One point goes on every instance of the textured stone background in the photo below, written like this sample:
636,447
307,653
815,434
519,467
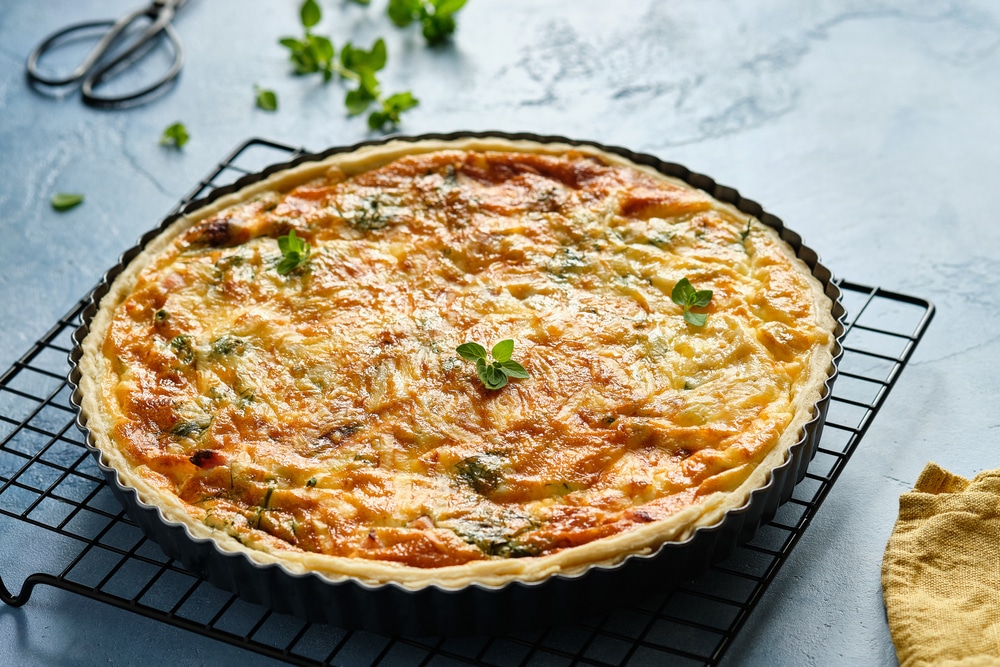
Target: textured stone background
870,127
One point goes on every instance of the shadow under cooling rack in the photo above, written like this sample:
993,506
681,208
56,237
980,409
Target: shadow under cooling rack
50,487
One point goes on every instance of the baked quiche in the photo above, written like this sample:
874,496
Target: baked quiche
302,371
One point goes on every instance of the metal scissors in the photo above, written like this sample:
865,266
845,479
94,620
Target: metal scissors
102,63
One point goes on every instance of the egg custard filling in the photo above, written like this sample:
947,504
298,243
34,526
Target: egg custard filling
279,371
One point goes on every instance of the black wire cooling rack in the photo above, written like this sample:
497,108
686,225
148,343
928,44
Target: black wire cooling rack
50,483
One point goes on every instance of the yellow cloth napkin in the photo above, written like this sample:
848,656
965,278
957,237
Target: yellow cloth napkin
941,571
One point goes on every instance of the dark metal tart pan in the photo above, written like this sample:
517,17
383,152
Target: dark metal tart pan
475,609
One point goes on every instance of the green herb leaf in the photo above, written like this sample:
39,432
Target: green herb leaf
64,201
493,375
695,319
295,253
503,350
702,298
358,100
368,82
447,6
471,351
513,369
358,60
392,106
266,99
436,29
684,294
437,17
175,135
377,120
400,102
311,54
438,25
323,48
401,12
310,13
362,65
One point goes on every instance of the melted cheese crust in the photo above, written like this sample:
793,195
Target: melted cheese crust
323,419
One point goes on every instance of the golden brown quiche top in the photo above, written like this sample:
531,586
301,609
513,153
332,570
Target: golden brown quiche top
319,415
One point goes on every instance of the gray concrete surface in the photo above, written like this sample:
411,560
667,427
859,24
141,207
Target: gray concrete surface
871,127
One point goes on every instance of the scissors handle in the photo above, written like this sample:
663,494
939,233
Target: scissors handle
106,72
56,38
93,70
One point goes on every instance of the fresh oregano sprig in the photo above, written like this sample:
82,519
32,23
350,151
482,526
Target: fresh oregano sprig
437,17
294,253
316,53
361,66
313,53
493,375
684,294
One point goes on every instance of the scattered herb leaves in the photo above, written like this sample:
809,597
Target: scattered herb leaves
294,253
266,99
64,201
493,375
175,136
684,294
746,232
315,53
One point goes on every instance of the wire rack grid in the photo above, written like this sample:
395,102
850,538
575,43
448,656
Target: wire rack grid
50,483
